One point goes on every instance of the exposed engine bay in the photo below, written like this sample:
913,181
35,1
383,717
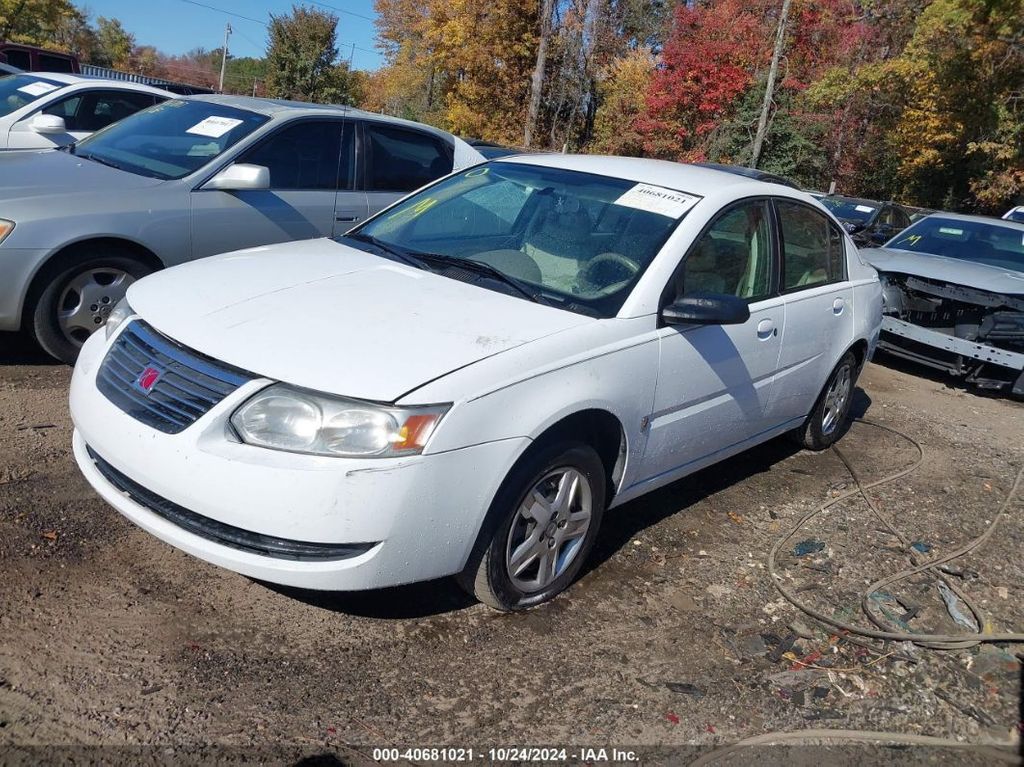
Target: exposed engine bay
965,331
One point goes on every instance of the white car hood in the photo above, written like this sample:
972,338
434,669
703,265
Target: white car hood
953,270
328,317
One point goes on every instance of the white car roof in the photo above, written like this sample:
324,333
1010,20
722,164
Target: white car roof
67,79
694,179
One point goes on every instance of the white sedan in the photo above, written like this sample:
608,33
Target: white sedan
43,110
466,382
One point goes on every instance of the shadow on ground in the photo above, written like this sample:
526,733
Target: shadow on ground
16,349
620,526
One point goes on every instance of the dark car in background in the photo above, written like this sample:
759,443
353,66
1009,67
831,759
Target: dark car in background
754,173
29,58
869,222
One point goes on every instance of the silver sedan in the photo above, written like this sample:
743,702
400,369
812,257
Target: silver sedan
190,178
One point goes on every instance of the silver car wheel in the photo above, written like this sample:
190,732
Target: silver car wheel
548,530
835,399
87,300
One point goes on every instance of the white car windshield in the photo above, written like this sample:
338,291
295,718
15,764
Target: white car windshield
993,243
575,240
18,90
170,140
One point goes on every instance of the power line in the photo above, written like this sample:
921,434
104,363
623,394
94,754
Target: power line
266,25
342,10
229,13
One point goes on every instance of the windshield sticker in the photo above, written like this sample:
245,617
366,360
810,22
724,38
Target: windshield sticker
657,199
418,209
37,88
864,209
214,127
950,230
912,239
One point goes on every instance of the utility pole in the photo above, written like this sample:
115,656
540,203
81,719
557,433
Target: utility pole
769,91
224,58
254,87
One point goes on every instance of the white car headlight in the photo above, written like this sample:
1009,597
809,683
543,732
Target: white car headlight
284,418
121,311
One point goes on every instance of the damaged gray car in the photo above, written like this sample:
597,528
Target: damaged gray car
953,293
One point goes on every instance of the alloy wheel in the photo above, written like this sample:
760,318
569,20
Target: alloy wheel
836,397
549,528
87,300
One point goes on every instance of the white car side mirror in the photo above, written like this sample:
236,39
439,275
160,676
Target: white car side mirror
43,123
239,177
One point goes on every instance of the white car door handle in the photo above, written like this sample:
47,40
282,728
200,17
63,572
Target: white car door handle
766,329
838,305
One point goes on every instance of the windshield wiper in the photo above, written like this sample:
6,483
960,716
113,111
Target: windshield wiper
483,268
101,161
388,250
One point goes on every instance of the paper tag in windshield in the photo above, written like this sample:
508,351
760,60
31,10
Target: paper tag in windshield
864,209
214,127
37,88
950,230
657,199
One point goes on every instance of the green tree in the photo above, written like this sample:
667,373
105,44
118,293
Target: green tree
302,58
114,44
35,22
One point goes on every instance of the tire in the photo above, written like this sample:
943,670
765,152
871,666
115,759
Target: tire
512,523
826,423
75,297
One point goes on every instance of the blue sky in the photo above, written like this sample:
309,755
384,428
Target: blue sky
177,26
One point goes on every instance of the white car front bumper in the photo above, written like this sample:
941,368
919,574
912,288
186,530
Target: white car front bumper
412,518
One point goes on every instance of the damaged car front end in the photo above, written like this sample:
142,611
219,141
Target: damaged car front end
954,298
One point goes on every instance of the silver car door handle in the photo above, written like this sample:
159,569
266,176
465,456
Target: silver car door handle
346,219
838,306
766,329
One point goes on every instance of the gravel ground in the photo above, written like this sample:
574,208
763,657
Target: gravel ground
674,636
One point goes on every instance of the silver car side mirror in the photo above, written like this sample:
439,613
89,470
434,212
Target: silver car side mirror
43,123
239,177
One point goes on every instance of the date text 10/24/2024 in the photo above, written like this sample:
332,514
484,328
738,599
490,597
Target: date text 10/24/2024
504,754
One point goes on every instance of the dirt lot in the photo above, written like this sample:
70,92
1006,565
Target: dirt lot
110,637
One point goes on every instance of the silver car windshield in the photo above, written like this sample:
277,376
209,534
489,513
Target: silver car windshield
575,240
170,140
993,243
18,90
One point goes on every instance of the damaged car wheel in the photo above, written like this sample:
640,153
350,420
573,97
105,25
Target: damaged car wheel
543,521
826,423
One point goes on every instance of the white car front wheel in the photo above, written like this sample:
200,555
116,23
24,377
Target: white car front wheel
540,528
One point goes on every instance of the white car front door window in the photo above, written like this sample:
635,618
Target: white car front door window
714,381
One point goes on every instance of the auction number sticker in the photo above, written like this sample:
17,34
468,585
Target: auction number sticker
658,199
214,127
864,209
37,88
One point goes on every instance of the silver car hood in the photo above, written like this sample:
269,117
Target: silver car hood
953,270
43,174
